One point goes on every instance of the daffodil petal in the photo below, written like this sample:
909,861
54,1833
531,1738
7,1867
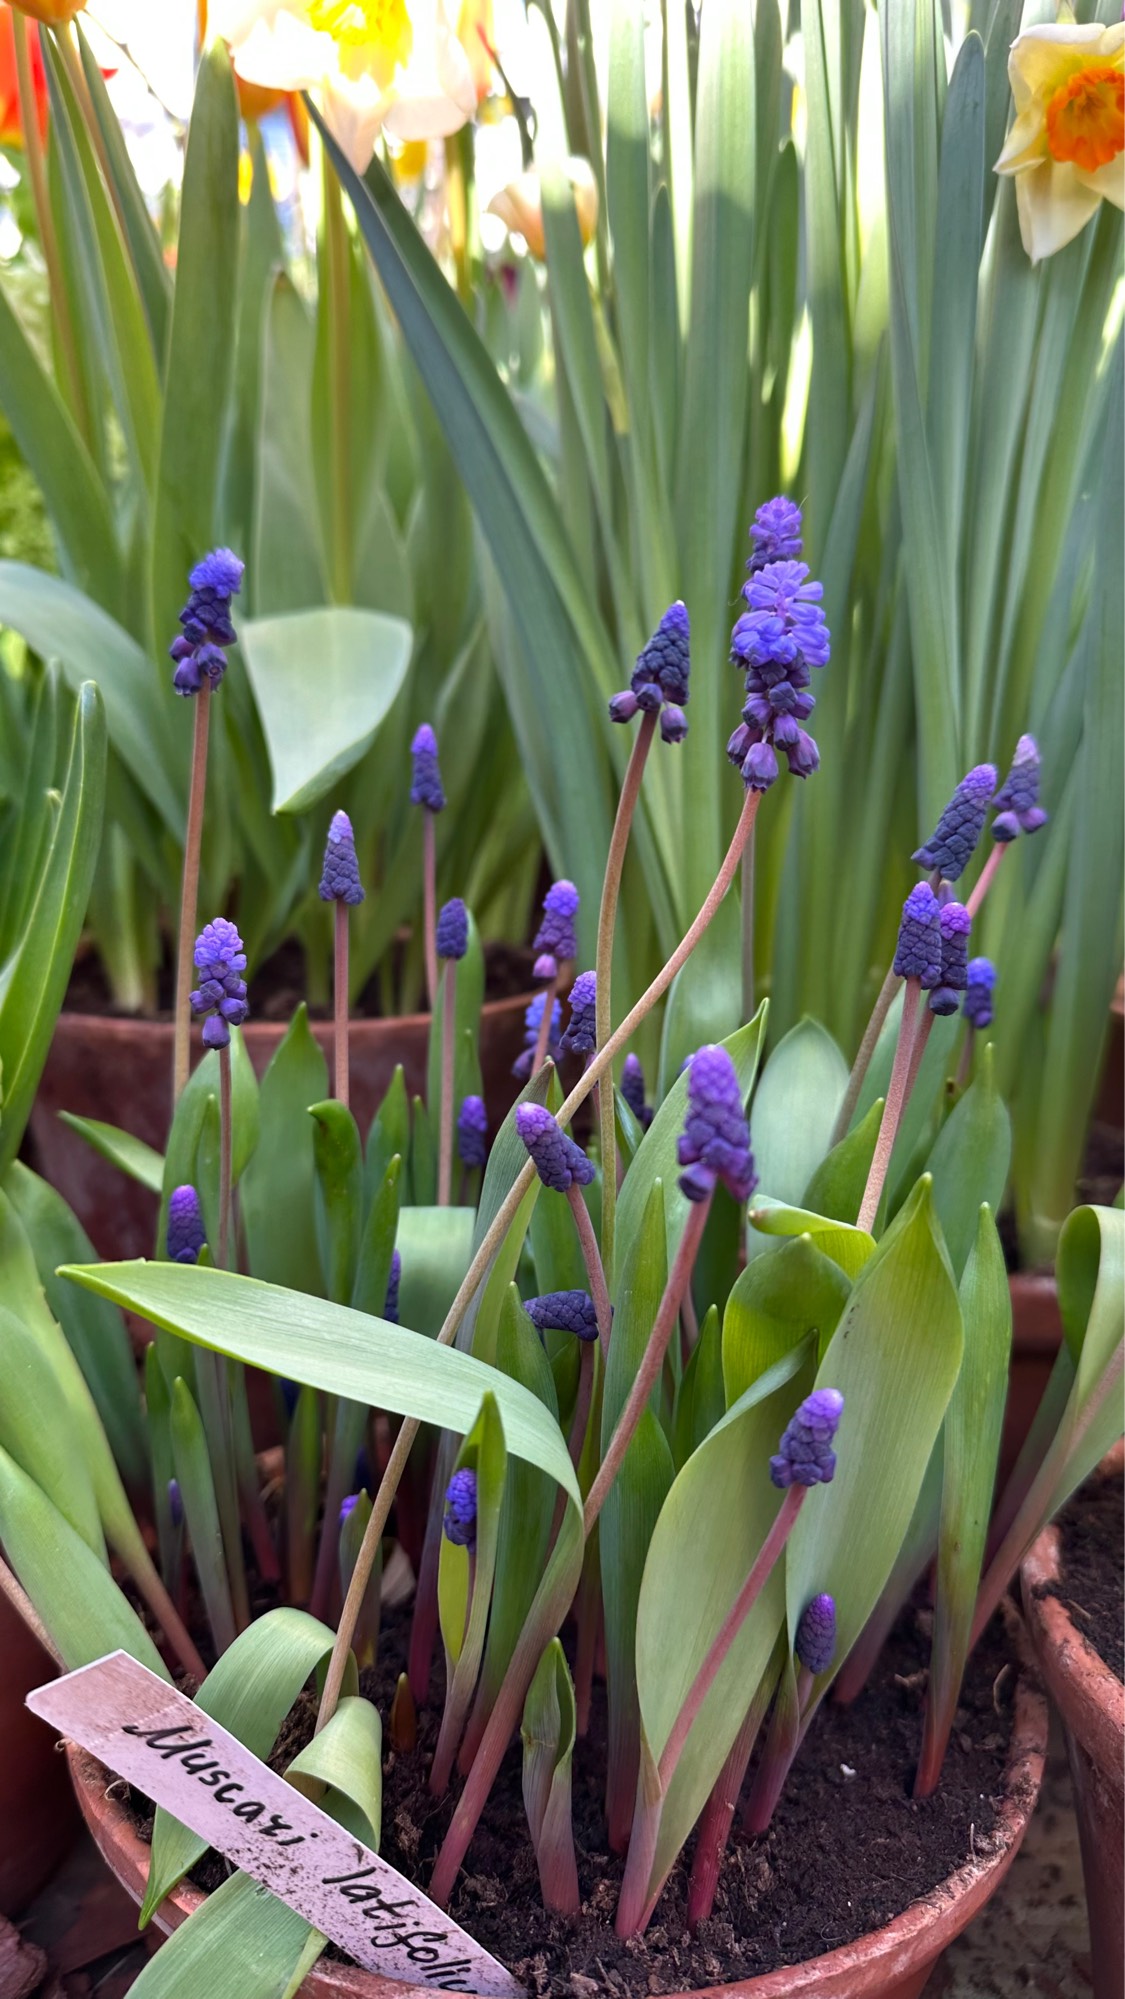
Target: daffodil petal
354,113
433,97
1107,182
282,53
1053,205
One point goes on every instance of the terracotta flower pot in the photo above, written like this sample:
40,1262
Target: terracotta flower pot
1036,1339
891,1963
119,1070
38,1821
1091,1703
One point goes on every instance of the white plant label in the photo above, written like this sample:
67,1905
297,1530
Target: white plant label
150,1733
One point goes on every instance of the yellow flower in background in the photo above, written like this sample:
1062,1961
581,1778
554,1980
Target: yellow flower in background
376,65
1066,147
51,11
520,205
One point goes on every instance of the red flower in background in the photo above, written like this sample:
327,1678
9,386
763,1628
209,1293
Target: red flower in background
11,124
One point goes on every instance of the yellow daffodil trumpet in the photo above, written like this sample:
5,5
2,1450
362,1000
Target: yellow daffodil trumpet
1066,146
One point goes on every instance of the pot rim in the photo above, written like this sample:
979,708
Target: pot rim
116,1025
1086,1691
910,1941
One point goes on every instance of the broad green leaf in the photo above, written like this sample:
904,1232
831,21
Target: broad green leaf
130,1155
464,1610
700,1399
548,1732
848,1246
895,1358
38,1430
377,1244
969,1163
241,1943
338,1158
277,1185
144,244
795,1108
289,569
318,724
192,1458
837,1187
345,1760
777,1301
436,1247
389,1133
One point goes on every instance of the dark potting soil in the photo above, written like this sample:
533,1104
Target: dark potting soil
849,1848
1092,1579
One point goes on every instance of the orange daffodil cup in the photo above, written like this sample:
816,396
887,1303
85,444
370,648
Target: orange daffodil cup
1066,147
52,12
375,65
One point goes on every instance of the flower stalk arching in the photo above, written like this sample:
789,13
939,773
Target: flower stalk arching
451,941
603,966
341,886
189,892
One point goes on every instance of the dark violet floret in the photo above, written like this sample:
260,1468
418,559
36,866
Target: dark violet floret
186,1235
390,1303
339,881
452,929
221,572
950,846
815,1643
980,979
459,1524
555,939
564,1312
918,952
955,924
532,1022
775,533
1018,796
805,1455
660,677
426,786
472,1132
220,998
558,1161
175,1503
633,1091
348,1506
581,1031
715,1141
199,650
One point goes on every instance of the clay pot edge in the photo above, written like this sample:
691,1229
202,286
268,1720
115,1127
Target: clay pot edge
1086,1691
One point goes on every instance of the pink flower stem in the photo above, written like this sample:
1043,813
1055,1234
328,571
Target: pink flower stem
987,876
542,1041
429,904
592,1258
897,1095
189,893
603,964
782,1744
448,1033
340,997
862,1063
226,1155
718,1813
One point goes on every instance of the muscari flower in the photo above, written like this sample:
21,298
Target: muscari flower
581,1031
348,1506
659,683
200,649
633,1091
220,998
954,923
777,640
1018,796
1066,146
452,929
805,1455
339,881
185,1234
918,951
775,534
175,1502
950,846
459,1523
980,978
472,1132
555,940
559,1162
426,786
390,1303
532,1022
715,1141
564,1312
815,1643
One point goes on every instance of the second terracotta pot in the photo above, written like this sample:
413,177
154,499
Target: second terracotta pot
119,1070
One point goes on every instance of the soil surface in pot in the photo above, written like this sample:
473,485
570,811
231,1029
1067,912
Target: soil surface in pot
1092,1567
849,1849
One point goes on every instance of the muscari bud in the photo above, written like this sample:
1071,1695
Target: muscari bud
715,1142
918,951
339,881
472,1132
459,1523
186,1235
1018,796
950,846
220,998
390,1303
555,936
564,1312
559,1162
426,786
452,929
980,979
815,1643
633,1091
955,924
581,1031
775,533
805,1455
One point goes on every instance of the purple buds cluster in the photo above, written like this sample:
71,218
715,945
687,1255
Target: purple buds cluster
950,846
185,1234
955,923
348,1506
532,1022
715,1142
394,1280
564,1312
472,1132
815,1642
980,979
220,998
581,1029
175,1503
459,1523
918,951
633,1091
805,1455
659,685
559,1162
339,880
200,649
1018,796
555,940
426,786
780,636
452,929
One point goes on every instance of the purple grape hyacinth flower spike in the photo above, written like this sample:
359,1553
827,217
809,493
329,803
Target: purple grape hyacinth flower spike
779,638
1018,796
559,1162
186,1235
581,1031
175,1503
390,1303
980,981
775,534
715,1142
453,929
199,651
950,846
472,1132
633,1091
348,1506
918,952
459,1523
220,998
805,1455
426,786
532,1022
955,924
815,1643
339,881
564,1312
556,940
659,683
